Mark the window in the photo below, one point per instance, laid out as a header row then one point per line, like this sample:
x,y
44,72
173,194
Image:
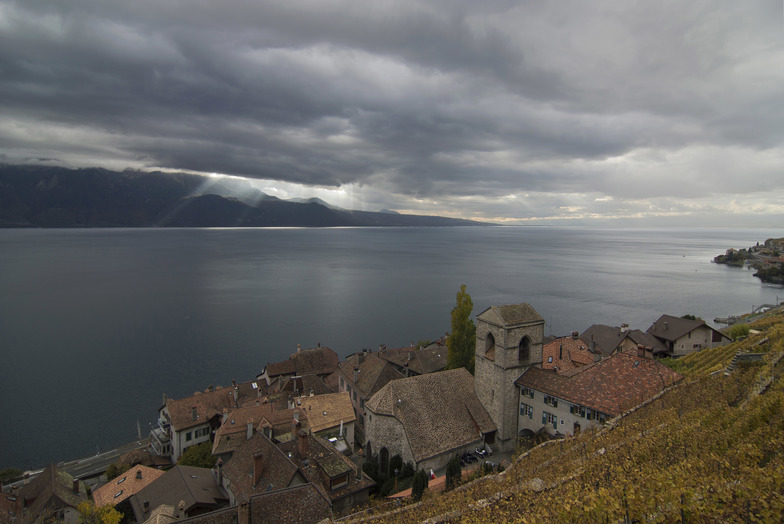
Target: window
x,y
551,401
524,350
341,383
355,395
527,392
525,409
362,403
549,418
188,436
339,482
577,410
490,346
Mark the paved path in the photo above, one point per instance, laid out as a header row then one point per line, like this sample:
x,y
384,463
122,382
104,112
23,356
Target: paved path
x,y
97,464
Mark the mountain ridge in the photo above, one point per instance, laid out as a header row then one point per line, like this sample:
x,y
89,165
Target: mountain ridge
x,y
42,196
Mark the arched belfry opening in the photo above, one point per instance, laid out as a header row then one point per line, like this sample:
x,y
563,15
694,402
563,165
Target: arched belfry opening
x,y
490,346
524,350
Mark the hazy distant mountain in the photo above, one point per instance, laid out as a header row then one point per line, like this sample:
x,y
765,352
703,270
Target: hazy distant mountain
x,y
34,196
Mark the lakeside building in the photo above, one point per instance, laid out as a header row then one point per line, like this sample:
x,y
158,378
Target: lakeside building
x,y
125,485
52,496
410,361
192,491
319,361
610,339
190,421
681,336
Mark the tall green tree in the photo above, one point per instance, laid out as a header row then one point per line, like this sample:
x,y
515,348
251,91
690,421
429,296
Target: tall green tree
x,y
462,339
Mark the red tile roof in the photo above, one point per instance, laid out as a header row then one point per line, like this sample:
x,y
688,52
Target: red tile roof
x,y
610,386
566,353
125,485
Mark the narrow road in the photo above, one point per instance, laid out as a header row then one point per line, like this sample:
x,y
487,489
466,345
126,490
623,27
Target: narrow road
x,y
97,464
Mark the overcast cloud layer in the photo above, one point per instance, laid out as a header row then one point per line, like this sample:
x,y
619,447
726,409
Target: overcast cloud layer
x,y
507,111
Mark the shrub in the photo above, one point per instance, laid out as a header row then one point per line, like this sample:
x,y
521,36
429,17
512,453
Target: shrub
x,y
738,331
419,484
199,456
453,473
9,474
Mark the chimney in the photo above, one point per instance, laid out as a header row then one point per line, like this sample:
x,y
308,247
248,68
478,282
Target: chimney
x,y
318,344
219,465
575,335
76,486
138,474
299,348
194,415
250,429
302,444
236,395
341,427
410,355
258,466
181,509
356,375
405,369
146,505
624,328
666,326
243,513
410,344
360,357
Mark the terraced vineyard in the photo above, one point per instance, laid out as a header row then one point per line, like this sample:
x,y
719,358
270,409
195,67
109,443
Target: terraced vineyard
x,y
708,450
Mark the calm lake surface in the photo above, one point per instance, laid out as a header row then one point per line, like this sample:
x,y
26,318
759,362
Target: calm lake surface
x,y
96,324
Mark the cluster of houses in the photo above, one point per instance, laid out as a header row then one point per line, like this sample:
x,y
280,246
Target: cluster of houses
x,y
290,444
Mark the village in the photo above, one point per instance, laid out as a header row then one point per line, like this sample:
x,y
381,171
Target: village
x,y
313,437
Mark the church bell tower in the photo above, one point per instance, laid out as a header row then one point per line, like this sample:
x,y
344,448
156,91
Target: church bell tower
x,y
509,340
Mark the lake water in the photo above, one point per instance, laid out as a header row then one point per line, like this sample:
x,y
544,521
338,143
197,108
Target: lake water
x,y
96,324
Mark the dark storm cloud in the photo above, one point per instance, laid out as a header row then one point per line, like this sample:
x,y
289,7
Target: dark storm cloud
x,y
516,103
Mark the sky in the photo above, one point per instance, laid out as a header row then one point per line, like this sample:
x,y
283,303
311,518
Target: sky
x,y
512,112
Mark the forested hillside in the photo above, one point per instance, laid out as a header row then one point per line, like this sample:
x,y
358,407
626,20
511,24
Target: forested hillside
x,y
708,450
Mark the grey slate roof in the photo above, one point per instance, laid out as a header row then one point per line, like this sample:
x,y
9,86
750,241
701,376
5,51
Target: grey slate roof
x,y
672,328
439,412
279,471
511,315
195,486
50,491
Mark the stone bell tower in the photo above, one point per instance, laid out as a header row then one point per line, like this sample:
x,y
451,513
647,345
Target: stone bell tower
x,y
509,340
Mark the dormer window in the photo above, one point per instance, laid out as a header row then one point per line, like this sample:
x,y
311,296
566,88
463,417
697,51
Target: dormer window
x,y
339,482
